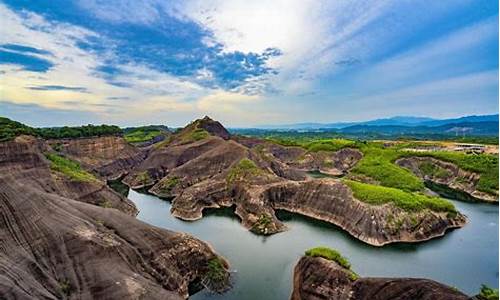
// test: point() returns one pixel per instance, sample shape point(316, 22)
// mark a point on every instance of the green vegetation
point(378, 163)
point(488, 293)
point(143, 177)
point(260, 227)
point(484, 164)
point(431, 169)
point(78, 131)
point(10, 129)
point(194, 135)
point(332, 255)
point(168, 184)
point(216, 278)
point(245, 168)
point(65, 287)
point(141, 135)
point(69, 168)
point(411, 202)
point(314, 145)
point(106, 204)
point(378, 160)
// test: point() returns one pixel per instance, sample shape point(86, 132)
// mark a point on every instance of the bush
point(69, 168)
point(243, 169)
point(329, 254)
point(411, 202)
point(167, 185)
point(10, 129)
point(333, 255)
point(488, 293)
point(216, 278)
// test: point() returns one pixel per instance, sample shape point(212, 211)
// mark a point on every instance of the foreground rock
point(58, 244)
point(447, 178)
point(317, 278)
point(202, 167)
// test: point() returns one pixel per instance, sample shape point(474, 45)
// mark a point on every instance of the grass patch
point(331, 145)
point(243, 169)
point(168, 185)
point(141, 135)
point(433, 170)
point(333, 255)
point(378, 163)
point(411, 202)
point(216, 278)
point(196, 134)
point(488, 293)
point(484, 164)
point(69, 168)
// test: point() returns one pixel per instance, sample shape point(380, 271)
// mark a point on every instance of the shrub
point(69, 168)
point(216, 278)
point(488, 293)
point(411, 202)
point(168, 184)
point(333, 255)
point(260, 226)
point(243, 169)
point(329, 254)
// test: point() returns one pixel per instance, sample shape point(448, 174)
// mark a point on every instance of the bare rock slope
point(58, 245)
point(316, 278)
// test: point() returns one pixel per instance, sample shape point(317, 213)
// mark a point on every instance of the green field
point(141, 135)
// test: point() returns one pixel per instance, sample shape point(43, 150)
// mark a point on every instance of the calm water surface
point(464, 258)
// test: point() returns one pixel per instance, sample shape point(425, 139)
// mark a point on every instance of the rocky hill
point(318, 278)
point(203, 167)
point(66, 235)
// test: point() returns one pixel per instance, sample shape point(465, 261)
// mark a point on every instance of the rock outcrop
point(447, 178)
point(57, 244)
point(258, 177)
point(109, 156)
point(316, 278)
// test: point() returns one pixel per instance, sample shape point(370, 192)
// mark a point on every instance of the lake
point(464, 258)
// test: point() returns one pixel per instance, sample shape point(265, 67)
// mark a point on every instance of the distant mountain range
point(486, 125)
point(406, 121)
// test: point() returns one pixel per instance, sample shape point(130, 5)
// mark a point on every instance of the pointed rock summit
point(211, 126)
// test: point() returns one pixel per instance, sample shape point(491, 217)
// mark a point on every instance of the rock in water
point(317, 278)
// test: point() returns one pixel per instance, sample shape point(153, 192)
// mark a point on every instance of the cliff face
point(447, 175)
point(59, 245)
point(109, 156)
point(316, 278)
point(23, 161)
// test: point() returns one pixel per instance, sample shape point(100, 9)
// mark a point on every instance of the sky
point(245, 63)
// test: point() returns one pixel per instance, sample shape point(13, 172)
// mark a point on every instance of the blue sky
point(245, 62)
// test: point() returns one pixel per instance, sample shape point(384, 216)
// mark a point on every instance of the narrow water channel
point(465, 258)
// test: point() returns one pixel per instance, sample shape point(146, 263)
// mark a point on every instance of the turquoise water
point(263, 266)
